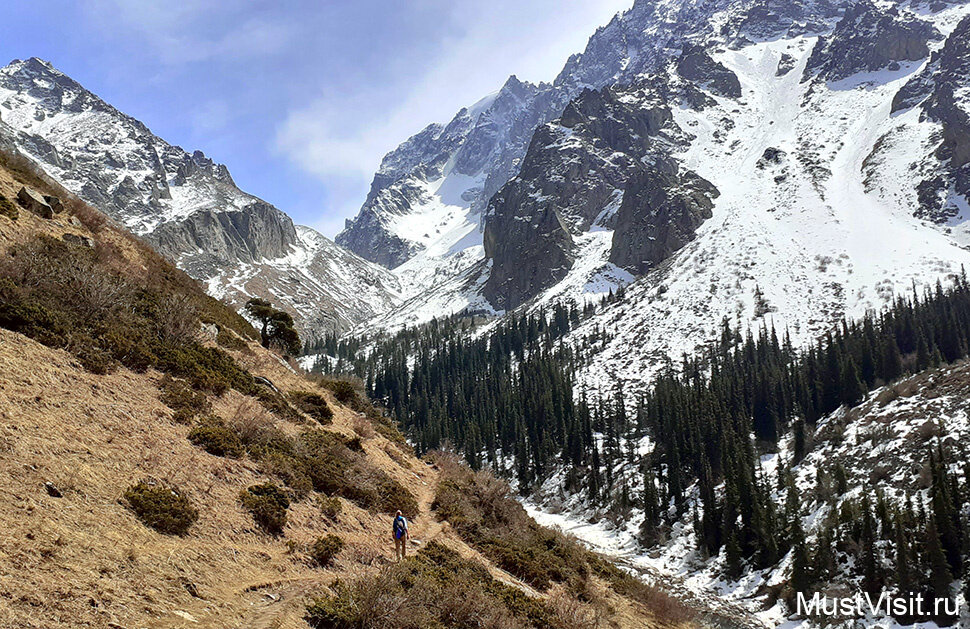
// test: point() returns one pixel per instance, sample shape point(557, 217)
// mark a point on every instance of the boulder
point(55, 203)
point(33, 201)
point(210, 331)
point(80, 241)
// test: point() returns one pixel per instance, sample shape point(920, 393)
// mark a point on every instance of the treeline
point(508, 393)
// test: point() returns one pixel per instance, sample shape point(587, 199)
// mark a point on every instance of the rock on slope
point(185, 204)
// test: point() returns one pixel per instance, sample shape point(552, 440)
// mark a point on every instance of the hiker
point(401, 536)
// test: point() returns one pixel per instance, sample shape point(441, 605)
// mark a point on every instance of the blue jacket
point(400, 526)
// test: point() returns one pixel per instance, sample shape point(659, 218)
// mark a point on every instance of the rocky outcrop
point(528, 253)
point(869, 38)
point(940, 89)
point(608, 146)
point(662, 208)
point(35, 202)
point(765, 19)
point(205, 240)
point(697, 66)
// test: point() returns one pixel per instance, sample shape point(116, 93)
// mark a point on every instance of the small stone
point(80, 241)
point(55, 203)
point(52, 490)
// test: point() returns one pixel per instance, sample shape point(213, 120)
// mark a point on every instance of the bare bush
point(363, 428)
point(177, 319)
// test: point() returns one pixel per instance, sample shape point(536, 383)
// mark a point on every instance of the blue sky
point(300, 99)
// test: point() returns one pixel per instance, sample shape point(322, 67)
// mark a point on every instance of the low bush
point(325, 549)
point(8, 209)
point(346, 393)
point(182, 398)
point(162, 508)
point(436, 589)
point(268, 504)
point(213, 435)
point(183, 416)
point(330, 507)
point(275, 403)
point(314, 405)
point(337, 467)
point(230, 341)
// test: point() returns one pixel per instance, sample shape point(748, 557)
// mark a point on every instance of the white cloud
point(195, 30)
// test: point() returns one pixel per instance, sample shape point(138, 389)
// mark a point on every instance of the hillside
point(101, 436)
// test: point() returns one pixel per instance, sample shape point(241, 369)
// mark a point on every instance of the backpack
point(400, 527)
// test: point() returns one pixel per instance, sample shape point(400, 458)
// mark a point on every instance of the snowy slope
point(809, 229)
point(887, 436)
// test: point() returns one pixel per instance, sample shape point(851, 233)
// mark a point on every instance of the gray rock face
point(579, 174)
point(366, 234)
point(764, 19)
point(662, 208)
point(204, 240)
point(696, 65)
point(869, 38)
point(573, 170)
point(939, 89)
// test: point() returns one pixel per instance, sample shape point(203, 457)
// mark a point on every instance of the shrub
point(180, 397)
point(314, 405)
point(345, 393)
point(230, 341)
point(330, 506)
point(276, 404)
point(162, 508)
point(268, 504)
point(215, 437)
point(337, 469)
point(183, 416)
point(436, 588)
point(8, 209)
point(325, 549)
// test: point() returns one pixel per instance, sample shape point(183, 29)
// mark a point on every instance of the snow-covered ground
point(890, 430)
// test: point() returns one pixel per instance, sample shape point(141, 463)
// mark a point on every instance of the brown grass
point(85, 560)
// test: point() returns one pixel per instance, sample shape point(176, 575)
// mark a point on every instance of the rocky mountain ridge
point(807, 147)
point(184, 204)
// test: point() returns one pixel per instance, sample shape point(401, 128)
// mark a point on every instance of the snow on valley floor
point(889, 429)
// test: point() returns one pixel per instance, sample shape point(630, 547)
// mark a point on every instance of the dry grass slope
point(73, 553)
